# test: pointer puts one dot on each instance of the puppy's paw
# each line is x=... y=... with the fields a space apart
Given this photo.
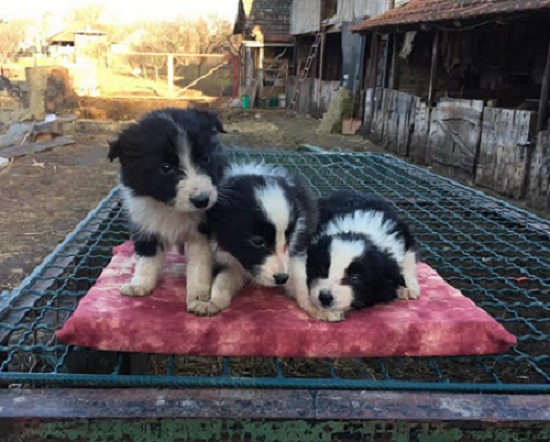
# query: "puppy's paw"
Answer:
x=135 y=290
x=326 y=315
x=202 y=308
x=408 y=293
x=198 y=292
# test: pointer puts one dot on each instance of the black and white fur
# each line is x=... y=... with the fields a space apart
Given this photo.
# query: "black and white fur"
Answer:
x=171 y=162
x=261 y=227
x=363 y=254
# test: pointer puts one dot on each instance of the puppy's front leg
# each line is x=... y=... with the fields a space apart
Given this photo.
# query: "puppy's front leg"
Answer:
x=199 y=271
x=409 y=270
x=297 y=288
x=150 y=259
x=226 y=284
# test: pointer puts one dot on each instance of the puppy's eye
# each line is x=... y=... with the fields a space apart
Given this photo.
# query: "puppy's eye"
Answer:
x=257 y=242
x=355 y=278
x=204 y=159
x=167 y=168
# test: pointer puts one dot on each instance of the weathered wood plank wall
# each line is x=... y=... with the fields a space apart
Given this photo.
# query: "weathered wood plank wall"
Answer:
x=379 y=114
x=305 y=16
x=309 y=101
x=352 y=10
x=455 y=133
x=538 y=194
x=399 y=121
x=418 y=148
x=489 y=147
x=503 y=156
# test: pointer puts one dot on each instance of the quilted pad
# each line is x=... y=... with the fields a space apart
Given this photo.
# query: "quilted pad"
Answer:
x=264 y=322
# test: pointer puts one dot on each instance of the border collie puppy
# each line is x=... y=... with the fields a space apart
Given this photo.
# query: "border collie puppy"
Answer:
x=260 y=228
x=171 y=162
x=363 y=254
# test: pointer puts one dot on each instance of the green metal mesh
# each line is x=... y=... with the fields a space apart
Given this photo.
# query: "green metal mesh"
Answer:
x=498 y=255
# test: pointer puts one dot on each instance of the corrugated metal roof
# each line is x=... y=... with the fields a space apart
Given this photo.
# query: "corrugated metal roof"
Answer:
x=430 y=11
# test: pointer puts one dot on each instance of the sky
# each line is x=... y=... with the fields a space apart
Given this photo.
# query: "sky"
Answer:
x=122 y=10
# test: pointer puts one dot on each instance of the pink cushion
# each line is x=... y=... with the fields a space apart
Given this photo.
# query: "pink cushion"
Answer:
x=264 y=322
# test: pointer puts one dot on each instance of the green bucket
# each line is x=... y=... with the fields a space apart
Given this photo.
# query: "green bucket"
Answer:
x=245 y=102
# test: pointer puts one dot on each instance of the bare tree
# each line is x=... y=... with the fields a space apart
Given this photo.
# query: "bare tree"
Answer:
x=209 y=35
x=11 y=37
x=89 y=14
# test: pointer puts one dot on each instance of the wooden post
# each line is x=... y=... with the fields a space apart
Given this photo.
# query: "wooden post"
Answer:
x=260 y=73
x=392 y=83
x=388 y=60
x=435 y=63
x=321 y=64
x=236 y=74
x=248 y=66
x=543 y=103
x=374 y=57
x=170 y=74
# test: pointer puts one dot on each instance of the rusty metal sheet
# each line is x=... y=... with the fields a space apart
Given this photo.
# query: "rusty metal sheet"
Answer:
x=417 y=12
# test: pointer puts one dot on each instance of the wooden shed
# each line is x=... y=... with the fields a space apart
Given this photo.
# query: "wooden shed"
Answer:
x=462 y=85
x=322 y=33
x=267 y=49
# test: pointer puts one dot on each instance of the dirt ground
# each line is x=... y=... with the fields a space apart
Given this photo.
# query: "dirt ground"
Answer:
x=44 y=196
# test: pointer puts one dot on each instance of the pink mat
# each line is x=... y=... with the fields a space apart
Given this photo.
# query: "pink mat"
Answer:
x=263 y=322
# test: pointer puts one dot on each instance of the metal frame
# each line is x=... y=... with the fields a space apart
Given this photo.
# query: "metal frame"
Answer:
x=293 y=399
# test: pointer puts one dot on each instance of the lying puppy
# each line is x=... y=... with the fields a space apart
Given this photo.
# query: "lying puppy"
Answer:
x=260 y=228
x=171 y=162
x=363 y=254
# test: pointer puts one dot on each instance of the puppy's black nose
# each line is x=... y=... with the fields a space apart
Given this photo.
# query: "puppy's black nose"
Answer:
x=325 y=298
x=280 y=278
x=200 y=201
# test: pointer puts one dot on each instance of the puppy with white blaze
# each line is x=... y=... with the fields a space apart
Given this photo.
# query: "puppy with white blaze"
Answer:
x=260 y=229
x=363 y=254
x=171 y=162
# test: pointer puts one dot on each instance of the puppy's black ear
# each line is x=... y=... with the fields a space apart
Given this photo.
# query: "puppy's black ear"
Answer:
x=390 y=281
x=114 y=150
x=216 y=122
x=393 y=276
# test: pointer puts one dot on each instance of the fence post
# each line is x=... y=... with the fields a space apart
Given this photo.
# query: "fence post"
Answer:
x=543 y=102
x=170 y=73
x=434 y=67
x=236 y=75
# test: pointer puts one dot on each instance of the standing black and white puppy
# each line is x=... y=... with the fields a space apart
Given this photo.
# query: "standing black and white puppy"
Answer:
x=171 y=162
x=260 y=228
x=363 y=254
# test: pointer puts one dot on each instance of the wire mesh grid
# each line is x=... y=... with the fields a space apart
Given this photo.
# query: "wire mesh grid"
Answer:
x=496 y=254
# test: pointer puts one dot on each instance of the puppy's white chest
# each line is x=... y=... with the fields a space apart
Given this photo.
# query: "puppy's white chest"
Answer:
x=155 y=218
